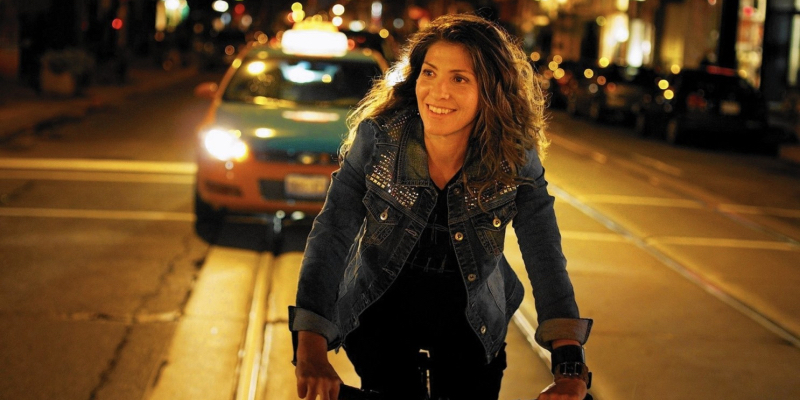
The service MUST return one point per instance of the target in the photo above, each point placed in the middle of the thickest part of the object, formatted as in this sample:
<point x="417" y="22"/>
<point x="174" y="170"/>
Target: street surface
<point x="687" y="259"/>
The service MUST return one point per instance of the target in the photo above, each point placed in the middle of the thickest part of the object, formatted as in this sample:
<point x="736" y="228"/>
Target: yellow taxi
<point x="270" y="139"/>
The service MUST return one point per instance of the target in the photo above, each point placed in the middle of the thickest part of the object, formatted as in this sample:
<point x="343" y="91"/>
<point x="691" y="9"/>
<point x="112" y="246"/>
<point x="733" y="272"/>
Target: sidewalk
<point x="23" y="110"/>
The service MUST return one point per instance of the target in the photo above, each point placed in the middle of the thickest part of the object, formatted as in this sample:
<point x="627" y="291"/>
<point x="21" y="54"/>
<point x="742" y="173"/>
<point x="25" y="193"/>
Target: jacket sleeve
<point x="331" y="238"/>
<point x="540" y="244"/>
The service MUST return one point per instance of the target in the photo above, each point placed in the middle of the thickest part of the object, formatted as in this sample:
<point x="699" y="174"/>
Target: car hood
<point x="318" y="129"/>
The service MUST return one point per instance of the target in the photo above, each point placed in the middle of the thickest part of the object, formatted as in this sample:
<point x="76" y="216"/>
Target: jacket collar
<point x="412" y="163"/>
<point x="412" y="158"/>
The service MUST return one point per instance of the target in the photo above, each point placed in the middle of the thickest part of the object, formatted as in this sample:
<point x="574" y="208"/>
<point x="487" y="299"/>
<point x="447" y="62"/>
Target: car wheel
<point x="596" y="111"/>
<point x="674" y="134"/>
<point x="572" y="106"/>
<point x="640" y="126"/>
<point x="207" y="219"/>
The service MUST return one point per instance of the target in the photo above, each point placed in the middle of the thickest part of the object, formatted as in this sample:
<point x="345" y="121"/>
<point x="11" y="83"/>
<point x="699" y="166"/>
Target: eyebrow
<point x="452" y="70"/>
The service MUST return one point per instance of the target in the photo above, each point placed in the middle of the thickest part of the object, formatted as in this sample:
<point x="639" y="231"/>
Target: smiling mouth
<point x="439" y="110"/>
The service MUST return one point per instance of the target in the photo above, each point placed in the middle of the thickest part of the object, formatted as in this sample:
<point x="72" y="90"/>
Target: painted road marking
<point x="656" y="164"/>
<point x="79" y="164"/>
<point x="579" y="149"/>
<point x="722" y="242"/>
<point x="773" y="211"/>
<point x="178" y="179"/>
<point x="593" y="236"/>
<point x="641" y="201"/>
<point x="688" y="203"/>
<point x="97" y="214"/>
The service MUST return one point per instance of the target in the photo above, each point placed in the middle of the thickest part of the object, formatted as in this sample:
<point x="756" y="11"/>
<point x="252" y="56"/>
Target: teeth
<point x="437" y="110"/>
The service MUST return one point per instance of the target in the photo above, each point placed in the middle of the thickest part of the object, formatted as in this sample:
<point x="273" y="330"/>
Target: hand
<point x="317" y="379"/>
<point x="315" y="375"/>
<point x="564" y="389"/>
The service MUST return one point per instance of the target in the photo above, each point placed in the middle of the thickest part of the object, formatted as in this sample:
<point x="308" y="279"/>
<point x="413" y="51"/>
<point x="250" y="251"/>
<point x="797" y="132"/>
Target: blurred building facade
<point x="758" y="38"/>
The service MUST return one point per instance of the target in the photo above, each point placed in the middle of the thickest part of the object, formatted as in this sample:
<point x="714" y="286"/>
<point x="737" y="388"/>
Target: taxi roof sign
<point x="315" y="38"/>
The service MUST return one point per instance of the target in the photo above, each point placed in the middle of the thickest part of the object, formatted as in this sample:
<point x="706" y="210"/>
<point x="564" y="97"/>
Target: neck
<point x="445" y="158"/>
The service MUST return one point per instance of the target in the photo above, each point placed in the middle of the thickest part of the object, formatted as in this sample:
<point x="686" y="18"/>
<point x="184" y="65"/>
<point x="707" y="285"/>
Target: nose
<point x="439" y="89"/>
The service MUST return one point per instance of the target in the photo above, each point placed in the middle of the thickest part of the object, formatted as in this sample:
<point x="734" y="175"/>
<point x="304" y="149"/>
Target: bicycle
<point x="350" y="393"/>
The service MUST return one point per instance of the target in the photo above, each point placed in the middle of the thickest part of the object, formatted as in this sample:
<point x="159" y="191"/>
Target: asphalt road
<point x="686" y="258"/>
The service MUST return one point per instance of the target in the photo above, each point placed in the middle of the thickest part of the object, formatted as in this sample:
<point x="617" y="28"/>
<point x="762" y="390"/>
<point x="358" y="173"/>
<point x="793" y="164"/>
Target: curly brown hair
<point x="510" y="119"/>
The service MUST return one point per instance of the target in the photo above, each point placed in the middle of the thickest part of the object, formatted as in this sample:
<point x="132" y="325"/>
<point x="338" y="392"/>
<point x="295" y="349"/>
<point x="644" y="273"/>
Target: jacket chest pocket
<point x="382" y="217"/>
<point x="491" y="226"/>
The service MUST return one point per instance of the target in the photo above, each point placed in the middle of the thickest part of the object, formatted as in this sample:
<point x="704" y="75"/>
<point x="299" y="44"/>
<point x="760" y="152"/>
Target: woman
<point x="407" y="252"/>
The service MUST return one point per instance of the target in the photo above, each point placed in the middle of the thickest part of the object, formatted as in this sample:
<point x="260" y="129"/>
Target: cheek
<point x="420" y="91"/>
<point x="474" y="102"/>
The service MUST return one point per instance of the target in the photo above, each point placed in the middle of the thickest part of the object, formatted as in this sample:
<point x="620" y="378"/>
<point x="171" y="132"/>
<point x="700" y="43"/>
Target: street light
<point x="220" y="6"/>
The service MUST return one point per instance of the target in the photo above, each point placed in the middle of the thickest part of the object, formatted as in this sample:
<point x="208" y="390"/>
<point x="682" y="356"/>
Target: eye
<point x="460" y="79"/>
<point x="426" y="72"/>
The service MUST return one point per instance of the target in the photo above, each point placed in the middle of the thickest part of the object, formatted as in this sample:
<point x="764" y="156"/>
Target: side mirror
<point x="206" y="90"/>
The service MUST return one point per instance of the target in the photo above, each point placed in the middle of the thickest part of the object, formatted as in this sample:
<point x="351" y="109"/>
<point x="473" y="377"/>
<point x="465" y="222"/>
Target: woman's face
<point x="447" y="91"/>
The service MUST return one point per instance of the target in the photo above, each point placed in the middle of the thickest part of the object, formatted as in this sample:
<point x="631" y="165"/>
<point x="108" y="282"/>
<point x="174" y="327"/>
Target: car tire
<point x="572" y="106"/>
<point x="208" y="219"/>
<point x="674" y="134"/>
<point x="640" y="126"/>
<point x="596" y="111"/>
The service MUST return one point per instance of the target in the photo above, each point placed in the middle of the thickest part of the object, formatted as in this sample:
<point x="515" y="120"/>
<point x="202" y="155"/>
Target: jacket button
<point x="472" y="277"/>
<point x="496" y="222"/>
<point x="457" y="190"/>
<point x="483" y="330"/>
<point x="385" y="214"/>
<point x="459" y="236"/>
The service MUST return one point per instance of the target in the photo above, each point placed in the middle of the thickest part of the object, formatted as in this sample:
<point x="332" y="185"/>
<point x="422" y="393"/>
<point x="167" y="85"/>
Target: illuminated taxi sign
<point x="314" y="39"/>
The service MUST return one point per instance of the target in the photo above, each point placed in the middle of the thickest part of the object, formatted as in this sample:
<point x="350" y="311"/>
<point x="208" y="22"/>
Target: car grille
<point x="272" y="190"/>
<point x="296" y="157"/>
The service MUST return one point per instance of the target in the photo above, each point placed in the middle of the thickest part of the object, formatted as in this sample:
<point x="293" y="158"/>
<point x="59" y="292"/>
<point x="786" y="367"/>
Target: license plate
<point x="306" y="186"/>
<point x="730" y="108"/>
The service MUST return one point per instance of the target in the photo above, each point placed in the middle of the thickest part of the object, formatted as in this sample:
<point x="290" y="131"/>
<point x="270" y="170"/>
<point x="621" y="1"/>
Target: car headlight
<point x="225" y="145"/>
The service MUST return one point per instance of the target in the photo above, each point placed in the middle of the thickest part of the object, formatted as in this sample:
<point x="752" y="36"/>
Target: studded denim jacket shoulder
<point x="377" y="206"/>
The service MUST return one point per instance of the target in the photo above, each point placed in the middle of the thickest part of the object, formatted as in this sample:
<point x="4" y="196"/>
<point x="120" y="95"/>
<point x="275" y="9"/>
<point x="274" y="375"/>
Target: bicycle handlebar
<point x="351" y="393"/>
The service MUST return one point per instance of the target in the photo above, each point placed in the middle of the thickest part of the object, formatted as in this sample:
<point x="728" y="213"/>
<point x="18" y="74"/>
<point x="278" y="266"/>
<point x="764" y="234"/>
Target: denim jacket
<point x="377" y="206"/>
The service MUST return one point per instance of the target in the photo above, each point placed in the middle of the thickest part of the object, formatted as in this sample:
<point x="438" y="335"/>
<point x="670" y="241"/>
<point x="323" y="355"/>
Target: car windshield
<point x="302" y="80"/>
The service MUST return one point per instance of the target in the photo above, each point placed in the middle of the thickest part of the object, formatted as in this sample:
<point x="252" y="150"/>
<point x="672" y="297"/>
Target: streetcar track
<point x="693" y="276"/>
<point x="696" y="196"/>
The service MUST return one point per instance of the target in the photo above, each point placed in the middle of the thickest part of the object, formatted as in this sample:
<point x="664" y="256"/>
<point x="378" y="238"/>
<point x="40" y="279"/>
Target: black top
<point x="434" y="251"/>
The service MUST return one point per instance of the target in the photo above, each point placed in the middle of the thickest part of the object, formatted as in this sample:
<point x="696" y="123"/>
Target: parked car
<point x="555" y="84"/>
<point x="712" y="105"/>
<point x="370" y="40"/>
<point x="270" y="140"/>
<point x="609" y="94"/>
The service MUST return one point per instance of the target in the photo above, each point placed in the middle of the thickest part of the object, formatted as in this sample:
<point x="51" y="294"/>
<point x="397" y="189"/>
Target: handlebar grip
<point x="350" y="393"/>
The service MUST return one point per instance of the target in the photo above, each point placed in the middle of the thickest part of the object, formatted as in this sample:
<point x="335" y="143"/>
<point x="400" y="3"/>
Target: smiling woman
<point x="407" y="253"/>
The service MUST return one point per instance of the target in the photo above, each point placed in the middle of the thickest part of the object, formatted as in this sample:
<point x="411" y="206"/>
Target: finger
<point x="335" y="392"/>
<point x="312" y="394"/>
<point x="302" y="389"/>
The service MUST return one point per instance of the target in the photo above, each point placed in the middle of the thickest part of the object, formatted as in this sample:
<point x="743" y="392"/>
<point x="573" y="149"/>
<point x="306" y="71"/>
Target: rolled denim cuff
<point x="301" y="319"/>
<point x="563" y="328"/>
